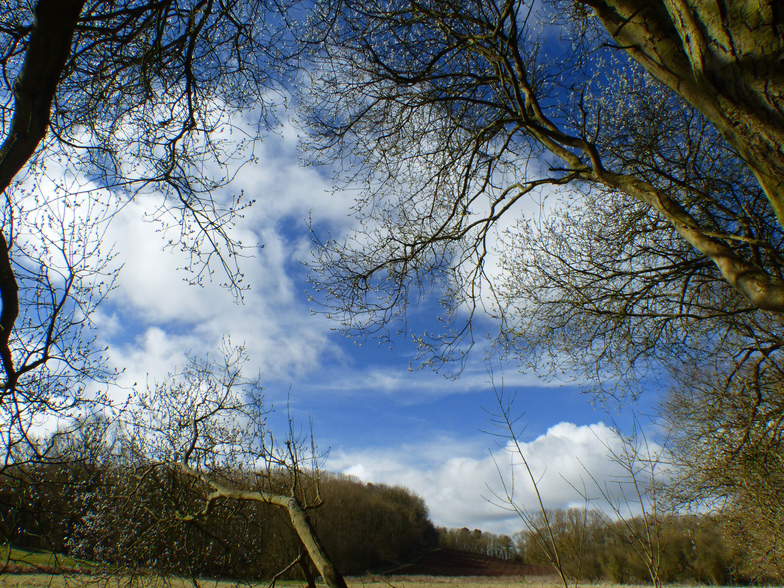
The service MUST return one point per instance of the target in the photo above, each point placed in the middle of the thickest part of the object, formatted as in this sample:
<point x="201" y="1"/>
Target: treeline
<point x="143" y="520"/>
<point x="703" y="549"/>
<point x="482" y="542"/>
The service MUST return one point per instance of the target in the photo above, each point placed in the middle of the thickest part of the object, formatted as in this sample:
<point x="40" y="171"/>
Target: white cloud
<point x="284" y="340"/>
<point x="155" y="318"/>
<point x="154" y="352"/>
<point x="461" y="481"/>
<point x="274" y="322"/>
<point x="284" y="188"/>
<point x="395" y="380"/>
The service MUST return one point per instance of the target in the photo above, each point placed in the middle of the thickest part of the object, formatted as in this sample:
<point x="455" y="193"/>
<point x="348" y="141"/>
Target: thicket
<point x="134" y="519"/>
<point x="372" y="526"/>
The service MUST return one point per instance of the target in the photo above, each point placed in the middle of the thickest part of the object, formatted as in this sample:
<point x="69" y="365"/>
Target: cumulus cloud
<point x="462" y="485"/>
<point x="284" y="188"/>
<point x="153" y="298"/>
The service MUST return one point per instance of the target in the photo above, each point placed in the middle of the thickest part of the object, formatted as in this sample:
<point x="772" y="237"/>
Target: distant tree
<point x="501" y="546"/>
<point x="106" y="501"/>
<point x="543" y="535"/>
<point x="713" y="559"/>
<point x="637" y="489"/>
<point x="371" y="527"/>
<point x="42" y="503"/>
<point x="693" y="548"/>
<point x="581" y="537"/>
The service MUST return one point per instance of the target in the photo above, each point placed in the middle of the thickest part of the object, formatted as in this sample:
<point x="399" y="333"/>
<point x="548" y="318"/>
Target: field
<point x="19" y="560"/>
<point x="75" y="581"/>
<point x="468" y="571"/>
<point x="451" y="562"/>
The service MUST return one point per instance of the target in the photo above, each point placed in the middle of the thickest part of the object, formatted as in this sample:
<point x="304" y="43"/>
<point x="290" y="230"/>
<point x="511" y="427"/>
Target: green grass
<point x="38" y="559"/>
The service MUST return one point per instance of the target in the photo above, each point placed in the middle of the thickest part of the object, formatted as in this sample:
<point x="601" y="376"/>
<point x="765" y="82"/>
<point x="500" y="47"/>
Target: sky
<point x="372" y="416"/>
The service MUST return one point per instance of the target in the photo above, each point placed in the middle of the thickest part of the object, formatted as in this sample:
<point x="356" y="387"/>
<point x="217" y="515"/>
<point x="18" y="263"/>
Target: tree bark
<point x="45" y="60"/>
<point x="301" y="523"/>
<point x="723" y="57"/>
<point x="306" y="571"/>
<point x="297" y="515"/>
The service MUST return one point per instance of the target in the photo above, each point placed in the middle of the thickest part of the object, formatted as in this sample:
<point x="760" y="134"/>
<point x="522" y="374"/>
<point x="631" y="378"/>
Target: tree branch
<point x="34" y="90"/>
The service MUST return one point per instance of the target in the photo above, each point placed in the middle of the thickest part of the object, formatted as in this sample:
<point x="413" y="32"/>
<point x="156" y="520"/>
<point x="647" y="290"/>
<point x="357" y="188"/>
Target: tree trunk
<point x="301" y="523"/>
<point x="35" y="87"/>
<point x="304" y="563"/>
<point x="297" y="515"/>
<point x="725" y="58"/>
<point x="46" y="55"/>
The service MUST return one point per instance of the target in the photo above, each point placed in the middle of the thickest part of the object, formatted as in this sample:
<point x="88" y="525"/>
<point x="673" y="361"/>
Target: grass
<point x="34" y="569"/>
<point x="38" y="559"/>
<point x="40" y="580"/>
<point x="86" y="581"/>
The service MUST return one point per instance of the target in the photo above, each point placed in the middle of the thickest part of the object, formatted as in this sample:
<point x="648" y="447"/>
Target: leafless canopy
<point x="131" y="96"/>
<point x="659" y="240"/>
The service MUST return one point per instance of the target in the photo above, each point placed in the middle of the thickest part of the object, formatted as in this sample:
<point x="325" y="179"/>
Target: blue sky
<point x="377" y="419"/>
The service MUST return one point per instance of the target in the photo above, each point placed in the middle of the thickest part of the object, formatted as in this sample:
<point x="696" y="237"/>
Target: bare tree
<point x="599" y="287"/>
<point x="638" y="488"/>
<point x="206" y="427"/>
<point x="724" y="59"/>
<point x="62" y="272"/>
<point x="537" y="521"/>
<point x="456" y="114"/>
<point x="657" y="252"/>
<point x="632" y="505"/>
<point x="102" y="101"/>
